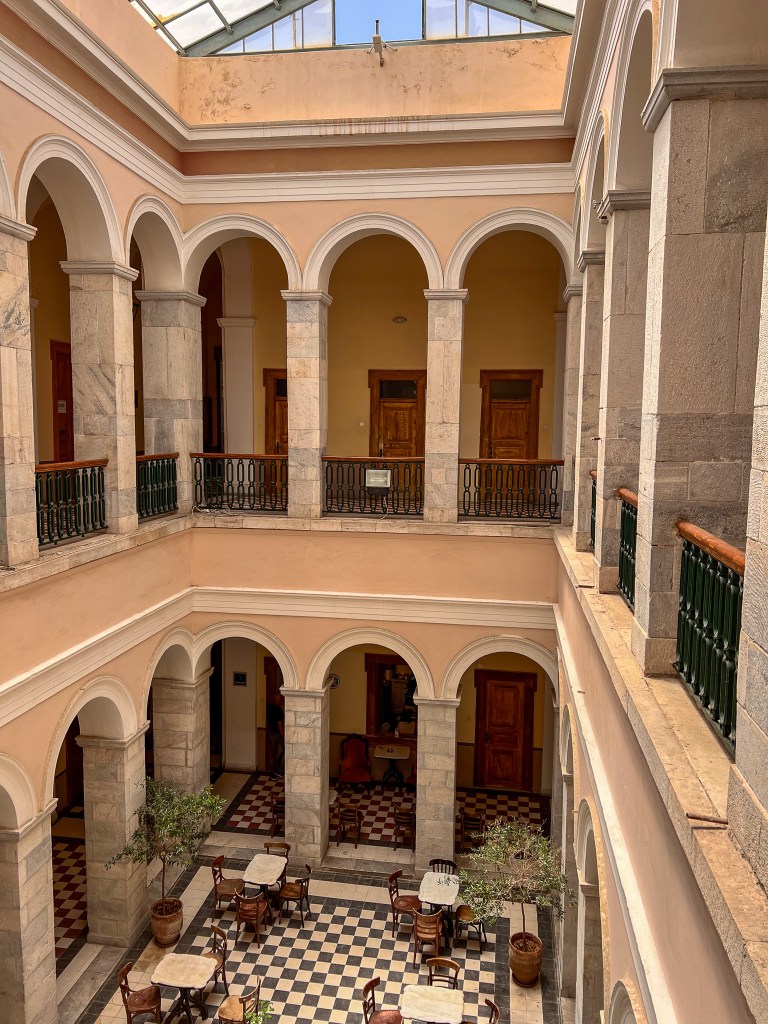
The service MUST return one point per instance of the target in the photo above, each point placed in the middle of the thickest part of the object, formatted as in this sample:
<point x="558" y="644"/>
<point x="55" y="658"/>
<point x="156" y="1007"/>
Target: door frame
<point x="57" y="347"/>
<point x="536" y="377"/>
<point x="374" y="379"/>
<point x="530" y="680"/>
<point x="270" y="376"/>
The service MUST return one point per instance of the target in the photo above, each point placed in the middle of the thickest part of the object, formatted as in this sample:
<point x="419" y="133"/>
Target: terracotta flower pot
<point x="166" y="921"/>
<point x="525" y="962"/>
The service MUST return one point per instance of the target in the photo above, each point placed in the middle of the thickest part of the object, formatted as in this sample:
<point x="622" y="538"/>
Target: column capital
<point x="17" y="229"/>
<point x="567" y="778"/>
<point x="288" y="691"/>
<point x="560" y="315"/>
<point x="616" y="199"/>
<point x="591" y="258"/>
<point x="437" y="702"/>
<point x="738" y="83"/>
<point x="105" y="267"/>
<point x="572" y="291"/>
<point x="590" y="890"/>
<point x="446" y="294"/>
<point x="181" y="296"/>
<point x="13" y="835"/>
<point x="236" y="321"/>
<point x="108" y="743"/>
<point x="296" y="296"/>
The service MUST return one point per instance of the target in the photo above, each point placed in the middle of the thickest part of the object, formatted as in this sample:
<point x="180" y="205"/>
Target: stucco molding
<point x="319" y="666"/>
<point x="635" y="10"/>
<point x="201" y="240"/>
<point x="615" y="199"/>
<point x="572" y="291"/>
<point x="446" y="295"/>
<point x="17" y="784"/>
<point x="502" y="644"/>
<point x="316" y="295"/>
<point x="728" y="83"/>
<point x="191" y="297"/>
<point x="16" y="229"/>
<point x="105" y="267"/>
<point x="591" y="258"/>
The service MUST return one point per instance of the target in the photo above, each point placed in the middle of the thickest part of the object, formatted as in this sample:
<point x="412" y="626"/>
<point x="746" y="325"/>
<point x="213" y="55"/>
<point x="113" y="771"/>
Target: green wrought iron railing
<point x="593" y="511"/>
<point x="240" y="483"/>
<point x="708" y="624"/>
<point x="346" y="492"/>
<point x="156" y="490"/>
<point x="502" y="489"/>
<point x="70" y="502"/>
<point x="627" y="545"/>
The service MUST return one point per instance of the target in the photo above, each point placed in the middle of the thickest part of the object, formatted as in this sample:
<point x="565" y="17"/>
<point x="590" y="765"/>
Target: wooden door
<point x="509" y="427"/>
<point x="397" y="413"/>
<point x="276" y="412"/>
<point x="63" y="428"/>
<point x="504" y="729"/>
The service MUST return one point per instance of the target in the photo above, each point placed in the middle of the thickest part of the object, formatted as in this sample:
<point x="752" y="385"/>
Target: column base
<point x="656" y="654"/>
<point x="582" y="541"/>
<point x="607" y="579"/>
<point x="749" y="823"/>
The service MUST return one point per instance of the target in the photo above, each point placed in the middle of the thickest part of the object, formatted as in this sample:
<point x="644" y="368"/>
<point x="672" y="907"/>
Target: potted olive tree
<point x="171" y="828"/>
<point x="514" y="863"/>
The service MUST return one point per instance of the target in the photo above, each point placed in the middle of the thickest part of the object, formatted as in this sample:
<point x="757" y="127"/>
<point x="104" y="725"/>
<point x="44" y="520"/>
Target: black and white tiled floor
<point x="69" y="898"/>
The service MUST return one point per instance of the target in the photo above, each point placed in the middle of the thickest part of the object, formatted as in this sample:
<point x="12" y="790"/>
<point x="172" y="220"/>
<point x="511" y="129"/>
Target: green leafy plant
<point x="262" y="1014"/>
<point x="172" y="827"/>
<point x="514" y="863"/>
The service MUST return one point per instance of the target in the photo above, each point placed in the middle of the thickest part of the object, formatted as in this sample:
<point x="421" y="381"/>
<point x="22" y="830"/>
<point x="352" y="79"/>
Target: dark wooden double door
<point x="504" y="729"/>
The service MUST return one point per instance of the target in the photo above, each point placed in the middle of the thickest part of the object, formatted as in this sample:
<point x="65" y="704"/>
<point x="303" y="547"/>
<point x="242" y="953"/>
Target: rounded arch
<point x="592" y="229"/>
<point x="586" y="845"/>
<point x="6" y="192"/>
<point x="577" y="221"/>
<point x="566" y="742"/>
<point x="249" y="631"/>
<point x="466" y="657"/>
<point x="321" y="662"/>
<point x="17" y="794"/>
<point x="203" y="239"/>
<point x="105" y="709"/>
<point x="176" y="638"/>
<point x="621" y="1009"/>
<point x="160" y="242"/>
<point x="327" y="249"/>
<point x="553" y="228"/>
<point x="630" y="147"/>
<point x="79" y="194"/>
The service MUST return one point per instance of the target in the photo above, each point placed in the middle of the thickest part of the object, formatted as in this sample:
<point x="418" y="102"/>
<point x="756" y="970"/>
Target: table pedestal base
<point x="183" y="1005"/>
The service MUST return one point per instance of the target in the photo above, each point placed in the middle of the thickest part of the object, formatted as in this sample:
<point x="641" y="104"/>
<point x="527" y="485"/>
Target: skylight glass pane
<point x="356" y="20"/>
<point x="234" y="48"/>
<point x="476" y="22"/>
<point x="259" y="42"/>
<point x="528" y="26"/>
<point x="164" y="9"/>
<point x="441" y="19"/>
<point x="503" y="24"/>
<point x="201" y="22"/>
<point x="318" y="23"/>
<point x="234" y="10"/>
<point x="284" y="34"/>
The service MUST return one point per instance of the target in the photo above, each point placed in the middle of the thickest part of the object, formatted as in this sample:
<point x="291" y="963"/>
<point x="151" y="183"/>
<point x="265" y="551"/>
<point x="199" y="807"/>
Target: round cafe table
<point x="188" y="973"/>
<point x="393" y="754"/>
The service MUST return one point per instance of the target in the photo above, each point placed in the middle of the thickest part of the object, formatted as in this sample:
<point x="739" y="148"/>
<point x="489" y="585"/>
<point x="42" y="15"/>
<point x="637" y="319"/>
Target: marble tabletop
<point x="439" y="889"/>
<point x="264" y="869"/>
<point x="183" y="970"/>
<point x="333" y="796"/>
<point x="394" y="753"/>
<point x="431" y="1003"/>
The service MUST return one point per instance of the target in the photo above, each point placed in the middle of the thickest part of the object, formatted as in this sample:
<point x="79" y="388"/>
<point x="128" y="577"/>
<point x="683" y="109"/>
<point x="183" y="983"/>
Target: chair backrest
<point x="277" y="804"/>
<point x="248" y="906"/>
<point x="354" y="751"/>
<point x="216" y="863"/>
<point x="447" y="867"/>
<point x="475" y="820"/>
<point x="394" y="886"/>
<point x="405" y="817"/>
<point x="303" y="880"/>
<point x="278" y="849"/>
<point x="122" y="981"/>
<point x="349" y="815"/>
<point x="219" y="941"/>
<point x="495" y="1012"/>
<point x="443" y="971"/>
<point x="369" y="997"/>
<point x="427" y="926"/>
<point x="250" y="999"/>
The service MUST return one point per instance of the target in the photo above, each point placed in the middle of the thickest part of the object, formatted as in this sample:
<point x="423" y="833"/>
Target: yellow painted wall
<point x="513" y="281"/>
<point x="373" y="281"/>
<point x="269" y="277"/>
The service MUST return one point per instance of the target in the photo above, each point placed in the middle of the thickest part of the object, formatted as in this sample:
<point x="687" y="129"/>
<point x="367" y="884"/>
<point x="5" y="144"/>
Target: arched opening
<point x="567" y="926"/>
<point x="621" y="1011"/>
<point x="594" y="226"/>
<point x="634" y="158"/>
<point x="589" y="941"/>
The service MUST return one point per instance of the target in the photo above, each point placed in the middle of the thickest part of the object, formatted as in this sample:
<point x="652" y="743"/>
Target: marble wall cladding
<point x="588" y="401"/>
<point x="307" y="745"/>
<point x="181" y="732"/>
<point x="435" y="780"/>
<point x="570" y="401"/>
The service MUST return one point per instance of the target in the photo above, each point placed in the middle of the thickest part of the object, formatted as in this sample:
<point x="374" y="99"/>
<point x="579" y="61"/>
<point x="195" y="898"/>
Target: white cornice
<point x="703" y="83"/>
<point x="191" y="297"/>
<point x="591" y="258"/>
<point x="17" y="229"/>
<point x="98" y="267"/>
<point x="622" y="200"/>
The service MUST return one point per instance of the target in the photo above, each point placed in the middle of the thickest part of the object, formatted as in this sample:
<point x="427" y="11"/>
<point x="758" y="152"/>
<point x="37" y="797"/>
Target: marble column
<point x="238" y="353"/>
<point x="27" y="940"/>
<point x="435" y="779"/>
<point x="113" y="789"/>
<point x="572" y="299"/>
<point x="445" y="341"/>
<point x="621" y="376"/>
<point x="589" y="956"/>
<point x="18" y="527"/>
<point x="591" y="264"/>
<point x="307" y="368"/>
<point x="181" y="732"/>
<point x="172" y="352"/>
<point x="706" y="243"/>
<point x="307" y="739"/>
<point x="101" y="312"/>
<point x="568" y="924"/>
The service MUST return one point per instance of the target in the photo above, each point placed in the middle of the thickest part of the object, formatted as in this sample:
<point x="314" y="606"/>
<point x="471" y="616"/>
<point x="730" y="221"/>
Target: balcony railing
<point x="708" y="624"/>
<point x="498" y="489"/>
<point x="156" y="493"/>
<point x="70" y="503"/>
<point x="627" y="545"/>
<point x="593" y="512"/>
<point x="345" y="490"/>
<point x="240" y="483"/>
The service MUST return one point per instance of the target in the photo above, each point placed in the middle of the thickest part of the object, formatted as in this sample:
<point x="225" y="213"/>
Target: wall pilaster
<point x="572" y="298"/>
<point x="435" y="779"/>
<point x="307" y="739"/>
<point x="181" y="732"/>
<point x="592" y="266"/>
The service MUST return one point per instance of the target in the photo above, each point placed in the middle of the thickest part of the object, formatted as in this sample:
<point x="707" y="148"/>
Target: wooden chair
<point x="277" y="850"/>
<point x="439" y="964"/>
<point x="218" y="953"/>
<point x="251" y="910"/>
<point x="277" y="812"/>
<point x="370" y="1013"/>
<point x="234" y="1008"/>
<point x="405" y="826"/>
<point x="350" y="820"/>
<point x="465" y="918"/>
<point x="297" y="892"/>
<point x="401" y="904"/>
<point x="224" y="889"/>
<point x="471" y="826"/>
<point x="355" y="767"/>
<point x="495" y="1012"/>
<point x="427" y="930"/>
<point x="446" y="867"/>
<point x="140" y="1002"/>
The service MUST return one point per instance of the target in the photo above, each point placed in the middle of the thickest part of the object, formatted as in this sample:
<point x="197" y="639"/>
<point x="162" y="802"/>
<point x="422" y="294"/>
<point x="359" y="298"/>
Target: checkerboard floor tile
<point x="69" y="895"/>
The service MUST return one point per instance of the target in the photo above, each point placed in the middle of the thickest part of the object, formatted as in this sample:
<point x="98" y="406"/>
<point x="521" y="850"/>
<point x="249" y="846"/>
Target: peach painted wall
<point x="269" y="277"/>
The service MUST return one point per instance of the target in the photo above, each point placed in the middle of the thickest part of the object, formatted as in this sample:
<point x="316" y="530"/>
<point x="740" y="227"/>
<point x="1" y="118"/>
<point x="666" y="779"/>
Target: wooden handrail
<point x="49" y="467"/>
<point x="149" y="458"/>
<point x="231" y="455"/>
<point x="593" y="474"/>
<point x="724" y="552"/>
<point x="626" y="495"/>
<point x="511" y="462"/>
<point x="372" y="458"/>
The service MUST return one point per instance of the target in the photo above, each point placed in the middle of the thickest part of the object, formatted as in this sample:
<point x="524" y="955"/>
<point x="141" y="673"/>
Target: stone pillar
<point x="307" y="367"/>
<point x="237" y="345"/>
<point x="589" y="956"/>
<point x="572" y="299"/>
<point x="172" y="354"/>
<point x="28" y="961"/>
<point x="568" y="924"/>
<point x="307" y="738"/>
<point x="101" y="311"/>
<point x="708" y="201"/>
<point x="181" y="732"/>
<point x="445" y="341"/>
<point x="113" y="788"/>
<point x="621" y="376"/>
<point x="435" y="779"/>
<point x="18" y="526"/>
<point x="591" y="264"/>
